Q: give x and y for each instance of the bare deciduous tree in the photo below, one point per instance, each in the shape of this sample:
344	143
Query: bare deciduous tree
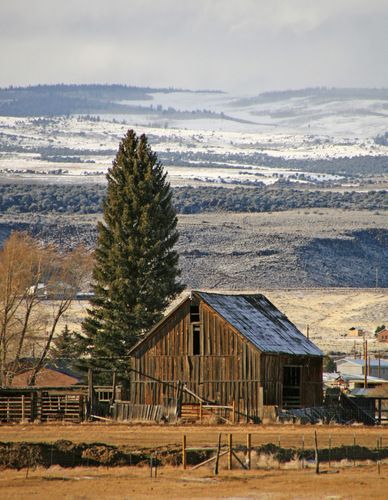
37	286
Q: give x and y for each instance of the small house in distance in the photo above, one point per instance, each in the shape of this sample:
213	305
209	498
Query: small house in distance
376	367
382	335
48	376
356	331
227	349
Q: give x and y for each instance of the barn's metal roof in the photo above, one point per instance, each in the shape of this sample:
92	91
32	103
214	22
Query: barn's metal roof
260	322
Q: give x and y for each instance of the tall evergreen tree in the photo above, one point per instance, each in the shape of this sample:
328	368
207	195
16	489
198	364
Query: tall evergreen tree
136	267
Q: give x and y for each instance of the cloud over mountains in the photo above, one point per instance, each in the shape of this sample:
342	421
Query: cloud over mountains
246	46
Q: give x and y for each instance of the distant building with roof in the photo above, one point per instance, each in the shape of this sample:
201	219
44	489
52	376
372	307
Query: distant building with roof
226	349
350	366
47	376
356	331
382	335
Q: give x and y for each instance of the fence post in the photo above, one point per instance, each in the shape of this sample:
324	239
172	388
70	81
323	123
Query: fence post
90	393
184	455
249	450
230	451
329	451
316	453
33	409
218	456
23	408
379	406
114	383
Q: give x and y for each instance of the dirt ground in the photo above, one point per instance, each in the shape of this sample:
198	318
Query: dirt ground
174	483
154	436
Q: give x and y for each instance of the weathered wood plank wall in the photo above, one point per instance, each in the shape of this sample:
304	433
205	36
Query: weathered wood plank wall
228	368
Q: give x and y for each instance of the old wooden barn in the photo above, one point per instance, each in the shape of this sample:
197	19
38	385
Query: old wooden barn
228	349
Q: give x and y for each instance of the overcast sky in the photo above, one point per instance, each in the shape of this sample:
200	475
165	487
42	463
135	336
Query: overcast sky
245	46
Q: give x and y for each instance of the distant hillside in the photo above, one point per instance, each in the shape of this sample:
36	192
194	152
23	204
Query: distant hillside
318	94
345	112
50	100
299	248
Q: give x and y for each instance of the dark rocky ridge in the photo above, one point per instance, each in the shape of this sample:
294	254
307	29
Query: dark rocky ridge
252	251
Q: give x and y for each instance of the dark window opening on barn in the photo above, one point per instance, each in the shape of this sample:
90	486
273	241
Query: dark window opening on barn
291	386
194	314
196	340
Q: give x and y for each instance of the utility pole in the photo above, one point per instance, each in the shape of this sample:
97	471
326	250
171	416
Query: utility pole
365	364
308	331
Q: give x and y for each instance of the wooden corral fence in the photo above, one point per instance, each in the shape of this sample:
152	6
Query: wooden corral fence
16	408
41	405
67	404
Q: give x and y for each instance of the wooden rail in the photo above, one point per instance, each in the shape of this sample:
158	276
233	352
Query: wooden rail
229	452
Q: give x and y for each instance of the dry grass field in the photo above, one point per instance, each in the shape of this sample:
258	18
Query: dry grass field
328	312
174	483
267	480
155	436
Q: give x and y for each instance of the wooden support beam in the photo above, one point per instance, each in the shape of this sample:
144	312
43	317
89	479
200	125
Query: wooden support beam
239	461
23	408
209	460
379	410
230	451
114	383
218	455
90	393
249	450
316	453
184	453
365	363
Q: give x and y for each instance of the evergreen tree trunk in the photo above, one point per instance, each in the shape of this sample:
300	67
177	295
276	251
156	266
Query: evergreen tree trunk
136	267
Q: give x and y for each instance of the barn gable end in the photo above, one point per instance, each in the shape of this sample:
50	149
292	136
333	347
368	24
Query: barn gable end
213	344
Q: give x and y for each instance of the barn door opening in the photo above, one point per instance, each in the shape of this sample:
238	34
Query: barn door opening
291	386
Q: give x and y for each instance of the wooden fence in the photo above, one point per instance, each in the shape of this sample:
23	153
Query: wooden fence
67	404
126	411
42	406
15	408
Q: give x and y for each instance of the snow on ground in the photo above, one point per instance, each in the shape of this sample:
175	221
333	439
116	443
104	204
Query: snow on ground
295	128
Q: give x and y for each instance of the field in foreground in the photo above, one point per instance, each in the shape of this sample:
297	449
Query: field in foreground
171	483
156	436
346	479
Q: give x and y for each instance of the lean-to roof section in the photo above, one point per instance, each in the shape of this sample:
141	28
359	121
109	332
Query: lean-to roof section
261	323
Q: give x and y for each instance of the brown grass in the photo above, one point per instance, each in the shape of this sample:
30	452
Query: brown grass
154	436
174	483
